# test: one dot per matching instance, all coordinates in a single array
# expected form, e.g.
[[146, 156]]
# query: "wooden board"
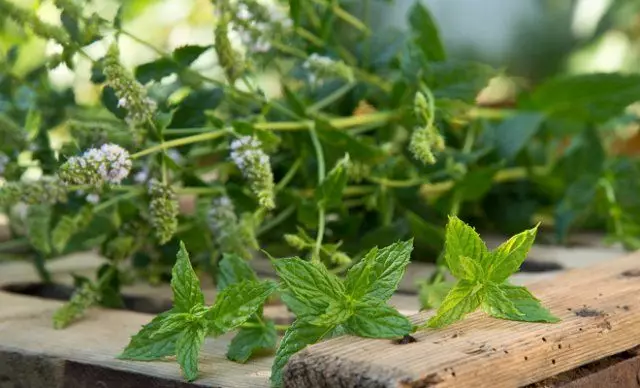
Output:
[[600, 311], [33, 354]]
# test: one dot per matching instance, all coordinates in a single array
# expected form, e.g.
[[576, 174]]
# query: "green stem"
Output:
[[288, 176], [116, 199], [180, 142], [330, 99], [321, 176], [306, 34], [338, 123], [371, 121], [397, 183], [228, 88], [277, 220], [259, 325], [200, 190], [344, 15]]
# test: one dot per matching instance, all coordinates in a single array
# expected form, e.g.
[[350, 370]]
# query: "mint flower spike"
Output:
[[254, 22], [163, 211], [320, 66], [132, 96], [253, 162], [46, 190], [231, 233], [108, 164]]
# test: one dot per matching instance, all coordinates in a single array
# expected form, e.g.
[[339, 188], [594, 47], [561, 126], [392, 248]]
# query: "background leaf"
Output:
[[588, 97], [237, 303], [251, 340], [427, 37]]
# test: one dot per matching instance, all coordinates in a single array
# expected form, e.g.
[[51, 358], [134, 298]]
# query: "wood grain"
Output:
[[84, 354], [600, 311]]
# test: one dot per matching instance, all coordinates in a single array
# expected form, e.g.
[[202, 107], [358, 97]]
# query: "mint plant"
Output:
[[369, 137], [327, 306], [482, 278], [182, 330]]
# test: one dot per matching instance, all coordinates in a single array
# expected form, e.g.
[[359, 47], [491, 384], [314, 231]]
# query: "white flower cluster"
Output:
[[108, 164], [253, 162], [222, 217], [246, 151], [137, 110], [320, 66], [256, 22]]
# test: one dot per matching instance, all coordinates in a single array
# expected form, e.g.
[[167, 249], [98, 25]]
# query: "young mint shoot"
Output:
[[482, 278], [258, 334], [326, 306], [181, 331]]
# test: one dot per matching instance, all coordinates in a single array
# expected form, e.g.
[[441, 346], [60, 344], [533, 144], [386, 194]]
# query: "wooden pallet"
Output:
[[32, 354]]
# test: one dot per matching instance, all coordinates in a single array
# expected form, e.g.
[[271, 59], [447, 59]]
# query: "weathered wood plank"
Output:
[[621, 370], [85, 353], [83, 263], [600, 311]]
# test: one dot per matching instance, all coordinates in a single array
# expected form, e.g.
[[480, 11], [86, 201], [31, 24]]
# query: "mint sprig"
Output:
[[326, 306], [258, 334], [181, 331], [482, 278]]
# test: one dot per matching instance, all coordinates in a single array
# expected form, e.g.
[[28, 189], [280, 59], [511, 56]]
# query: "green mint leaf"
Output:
[[144, 346], [233, 269], [185, 283], [237, 303], [495, 300], [37, 223], [507, 258], [296, 338], [188, 348], [378, 321], [513, 134], [300, 309], [586, 97], [427, 37], [174, 323], [251, 340], [335, 314], [310, 283], [186, 55], [528, 307], [377, 275], [360, 276], [462, 240], [463, 298], [432, 295], [472, 268], [329, 193]]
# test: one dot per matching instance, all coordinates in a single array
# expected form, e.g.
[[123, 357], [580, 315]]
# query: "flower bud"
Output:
[[97, 166], [163, 211], [132, 96], [253, 162]]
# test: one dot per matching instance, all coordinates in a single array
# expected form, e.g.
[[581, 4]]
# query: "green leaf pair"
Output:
[[482, 278], [181, 331], [327, 306], [258, 334]]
